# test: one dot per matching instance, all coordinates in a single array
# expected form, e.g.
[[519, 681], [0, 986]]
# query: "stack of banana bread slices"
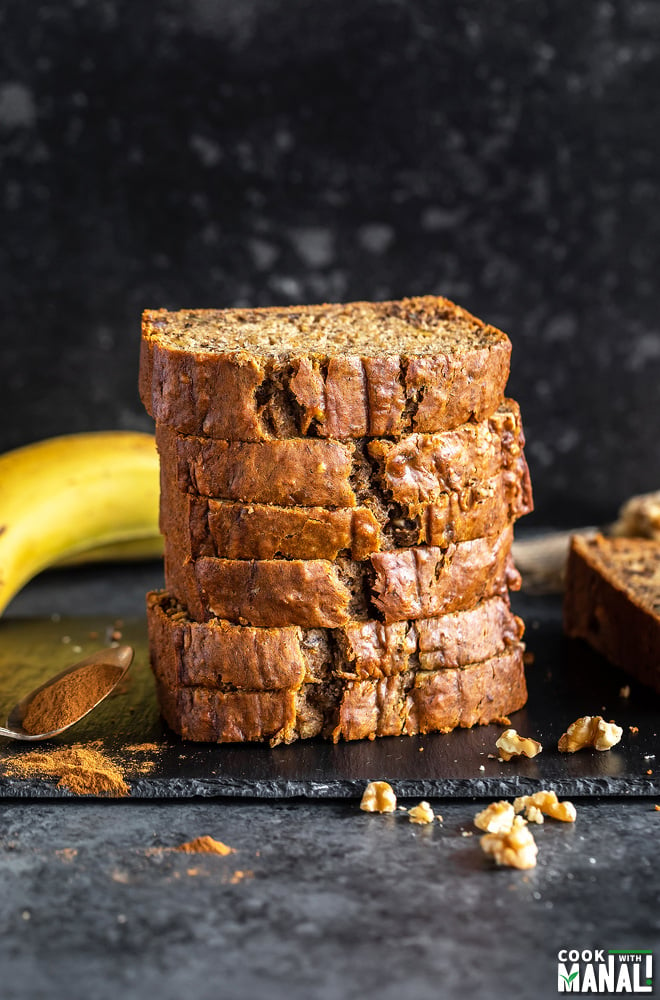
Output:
[[339, 485]]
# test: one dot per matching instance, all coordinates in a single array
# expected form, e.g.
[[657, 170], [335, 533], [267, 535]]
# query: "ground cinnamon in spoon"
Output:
[[68, 699]]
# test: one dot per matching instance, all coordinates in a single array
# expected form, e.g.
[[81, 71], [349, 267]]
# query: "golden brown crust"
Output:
[[410, 583], [421, 702], [417, 469], [220, 654], [251, 375], [197, 526], [612, 600]]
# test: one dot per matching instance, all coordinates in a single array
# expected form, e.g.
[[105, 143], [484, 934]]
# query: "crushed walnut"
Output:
[[421, 813], [510, 744], [378, 797], [515, 847], [495, 818], [590, 731], [544, 803]]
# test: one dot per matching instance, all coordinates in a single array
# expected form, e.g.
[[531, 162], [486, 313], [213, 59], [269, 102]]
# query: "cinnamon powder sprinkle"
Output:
[[205, 845], [80, 768]]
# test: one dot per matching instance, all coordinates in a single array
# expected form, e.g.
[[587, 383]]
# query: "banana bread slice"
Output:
[[213, 654], [338, 371], [416, 469], [412, 702], [421, 582], [196, 526], [612, 600]]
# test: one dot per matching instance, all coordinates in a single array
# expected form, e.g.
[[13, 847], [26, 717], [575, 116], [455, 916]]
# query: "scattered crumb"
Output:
[[239, 875], [421, 749], [421, 813], [633, 729], [378, 797], [657, 808], [193, 871], [439, 818], [466, 833], [205, 845], [625, 691], [528, 657], [649, 771], [121, 877], [482, 767], [67, 853]]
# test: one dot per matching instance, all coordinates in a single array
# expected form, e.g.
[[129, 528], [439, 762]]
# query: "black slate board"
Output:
[[565, 681]]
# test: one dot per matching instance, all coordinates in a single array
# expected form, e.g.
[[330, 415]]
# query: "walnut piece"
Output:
[[495, 818], [510, 744], [590, 731], [378, 797], [421, 813], [515, 847], [545, 802]]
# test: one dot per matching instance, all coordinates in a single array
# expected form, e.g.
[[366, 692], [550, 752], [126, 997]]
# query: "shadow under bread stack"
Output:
[[339, 485]]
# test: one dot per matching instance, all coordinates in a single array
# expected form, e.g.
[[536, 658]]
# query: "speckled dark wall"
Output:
[[217, 153]]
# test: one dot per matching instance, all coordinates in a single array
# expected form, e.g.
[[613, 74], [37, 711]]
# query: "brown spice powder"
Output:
[[69, 698], [80, 768], [206, 845]]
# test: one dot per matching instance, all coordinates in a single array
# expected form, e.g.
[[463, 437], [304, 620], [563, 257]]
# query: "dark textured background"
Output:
[[199, 153]]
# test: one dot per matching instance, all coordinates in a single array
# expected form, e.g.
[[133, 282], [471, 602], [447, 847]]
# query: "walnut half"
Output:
[[421, 813], [545, 803], [515, 847], [590, 731], [495, 818], [510, 744], [378, 797]]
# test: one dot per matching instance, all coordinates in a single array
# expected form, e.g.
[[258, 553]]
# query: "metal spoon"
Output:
[[118, 657]]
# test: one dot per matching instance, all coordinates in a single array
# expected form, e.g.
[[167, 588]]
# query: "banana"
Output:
[[133, 550], [67, 496]]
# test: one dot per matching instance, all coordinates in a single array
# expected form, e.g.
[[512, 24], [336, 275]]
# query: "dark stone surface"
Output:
[[338, 905], [566, 680], [215, 153]]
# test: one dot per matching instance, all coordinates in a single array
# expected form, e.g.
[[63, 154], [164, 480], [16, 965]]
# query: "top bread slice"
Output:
[[363, 369], [613, 601]]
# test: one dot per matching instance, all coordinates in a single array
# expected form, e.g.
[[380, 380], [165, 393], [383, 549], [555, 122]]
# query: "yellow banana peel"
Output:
[[76, 497]]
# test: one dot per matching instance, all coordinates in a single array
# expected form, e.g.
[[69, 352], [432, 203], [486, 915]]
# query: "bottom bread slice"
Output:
[[408, 703]]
